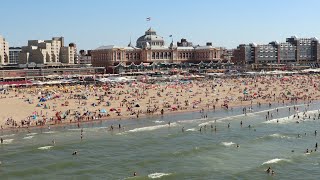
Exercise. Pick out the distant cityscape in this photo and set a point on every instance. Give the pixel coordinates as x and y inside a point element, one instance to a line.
<point>150,49</point>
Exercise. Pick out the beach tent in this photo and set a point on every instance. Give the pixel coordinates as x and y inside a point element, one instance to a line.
<point>137,105</point>
<point>103,111</point>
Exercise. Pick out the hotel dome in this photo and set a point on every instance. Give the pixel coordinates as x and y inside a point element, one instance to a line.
<point>150,38</point>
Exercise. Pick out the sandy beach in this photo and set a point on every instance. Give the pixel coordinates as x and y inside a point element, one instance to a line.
<point>49,105</point>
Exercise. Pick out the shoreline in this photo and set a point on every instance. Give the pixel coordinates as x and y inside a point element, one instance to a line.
<point>101,120</point>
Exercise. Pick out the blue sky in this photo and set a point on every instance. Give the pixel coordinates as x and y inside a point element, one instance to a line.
<point>92,23</point>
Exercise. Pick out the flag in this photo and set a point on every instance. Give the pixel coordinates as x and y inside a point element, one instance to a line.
<point>148,18</point>
<point>170,35</point>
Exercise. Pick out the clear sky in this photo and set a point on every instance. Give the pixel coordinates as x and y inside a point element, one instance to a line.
<point>92,23</point>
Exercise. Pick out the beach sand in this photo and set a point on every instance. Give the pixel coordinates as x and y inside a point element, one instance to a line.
<point>134,100</point>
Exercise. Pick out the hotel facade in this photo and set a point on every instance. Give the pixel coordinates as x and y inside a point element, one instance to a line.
<point>303,51</point>
<point>151,48</point>
<point>48,52</point>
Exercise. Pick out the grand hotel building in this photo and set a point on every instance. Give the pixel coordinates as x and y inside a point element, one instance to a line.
<point>151,48</point>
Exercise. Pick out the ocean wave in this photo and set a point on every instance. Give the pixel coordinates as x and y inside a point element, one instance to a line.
<point>194,120</point>
<point>158,122</point>
<point>7,135</point>
<point>31,134</point>
<point>274,109</point>
<point>293,118</point>
<point>49,132</point>
<point>276,135</point>
<point>151,128</point>
<point>158,175</point>
<point>274,161</point>
<point>28,137</point>
<point>191,129</point>
<point>45,147</point>
<point>228,143</point>
<point>7,141</point>
<point>219,120</point>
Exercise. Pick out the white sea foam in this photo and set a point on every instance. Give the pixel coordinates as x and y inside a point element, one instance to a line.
<point>274,109</point>
<point>7,135</point>
<point>276,135</point>
<point>7,141</point>
<point>45,147</point>
<point>31,134</point>
<point>191,129</point>
<point>294,118</point>
<point>50,132</point>
<point>224,118</point>
<point>151,128</point>
<point>158,122</point>
<point>274,161</point>
<point>158,175</point>
<point>228,143</point>
<point>28,137</point>
<point>194,120</point>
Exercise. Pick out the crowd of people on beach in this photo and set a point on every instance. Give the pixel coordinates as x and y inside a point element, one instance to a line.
<point>39,106</point>
<point>63,104</point>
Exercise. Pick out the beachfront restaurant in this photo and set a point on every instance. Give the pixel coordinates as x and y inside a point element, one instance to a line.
<point>201,66</point>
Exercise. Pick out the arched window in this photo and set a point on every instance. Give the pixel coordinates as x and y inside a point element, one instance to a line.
<point>161,55</point>
<point>165,55</point>
<point>157,55</point>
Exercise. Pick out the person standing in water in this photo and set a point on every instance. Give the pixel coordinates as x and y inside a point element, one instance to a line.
<point>1,141</point>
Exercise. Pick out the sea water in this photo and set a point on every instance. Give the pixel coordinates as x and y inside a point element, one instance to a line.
<point>156,150</point>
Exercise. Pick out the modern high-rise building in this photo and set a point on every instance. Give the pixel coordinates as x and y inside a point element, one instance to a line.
<point>4,51</point>
<point>304,51</point>
<point>84,57</point>
<point>47,51</point>
<point>14,53</point>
